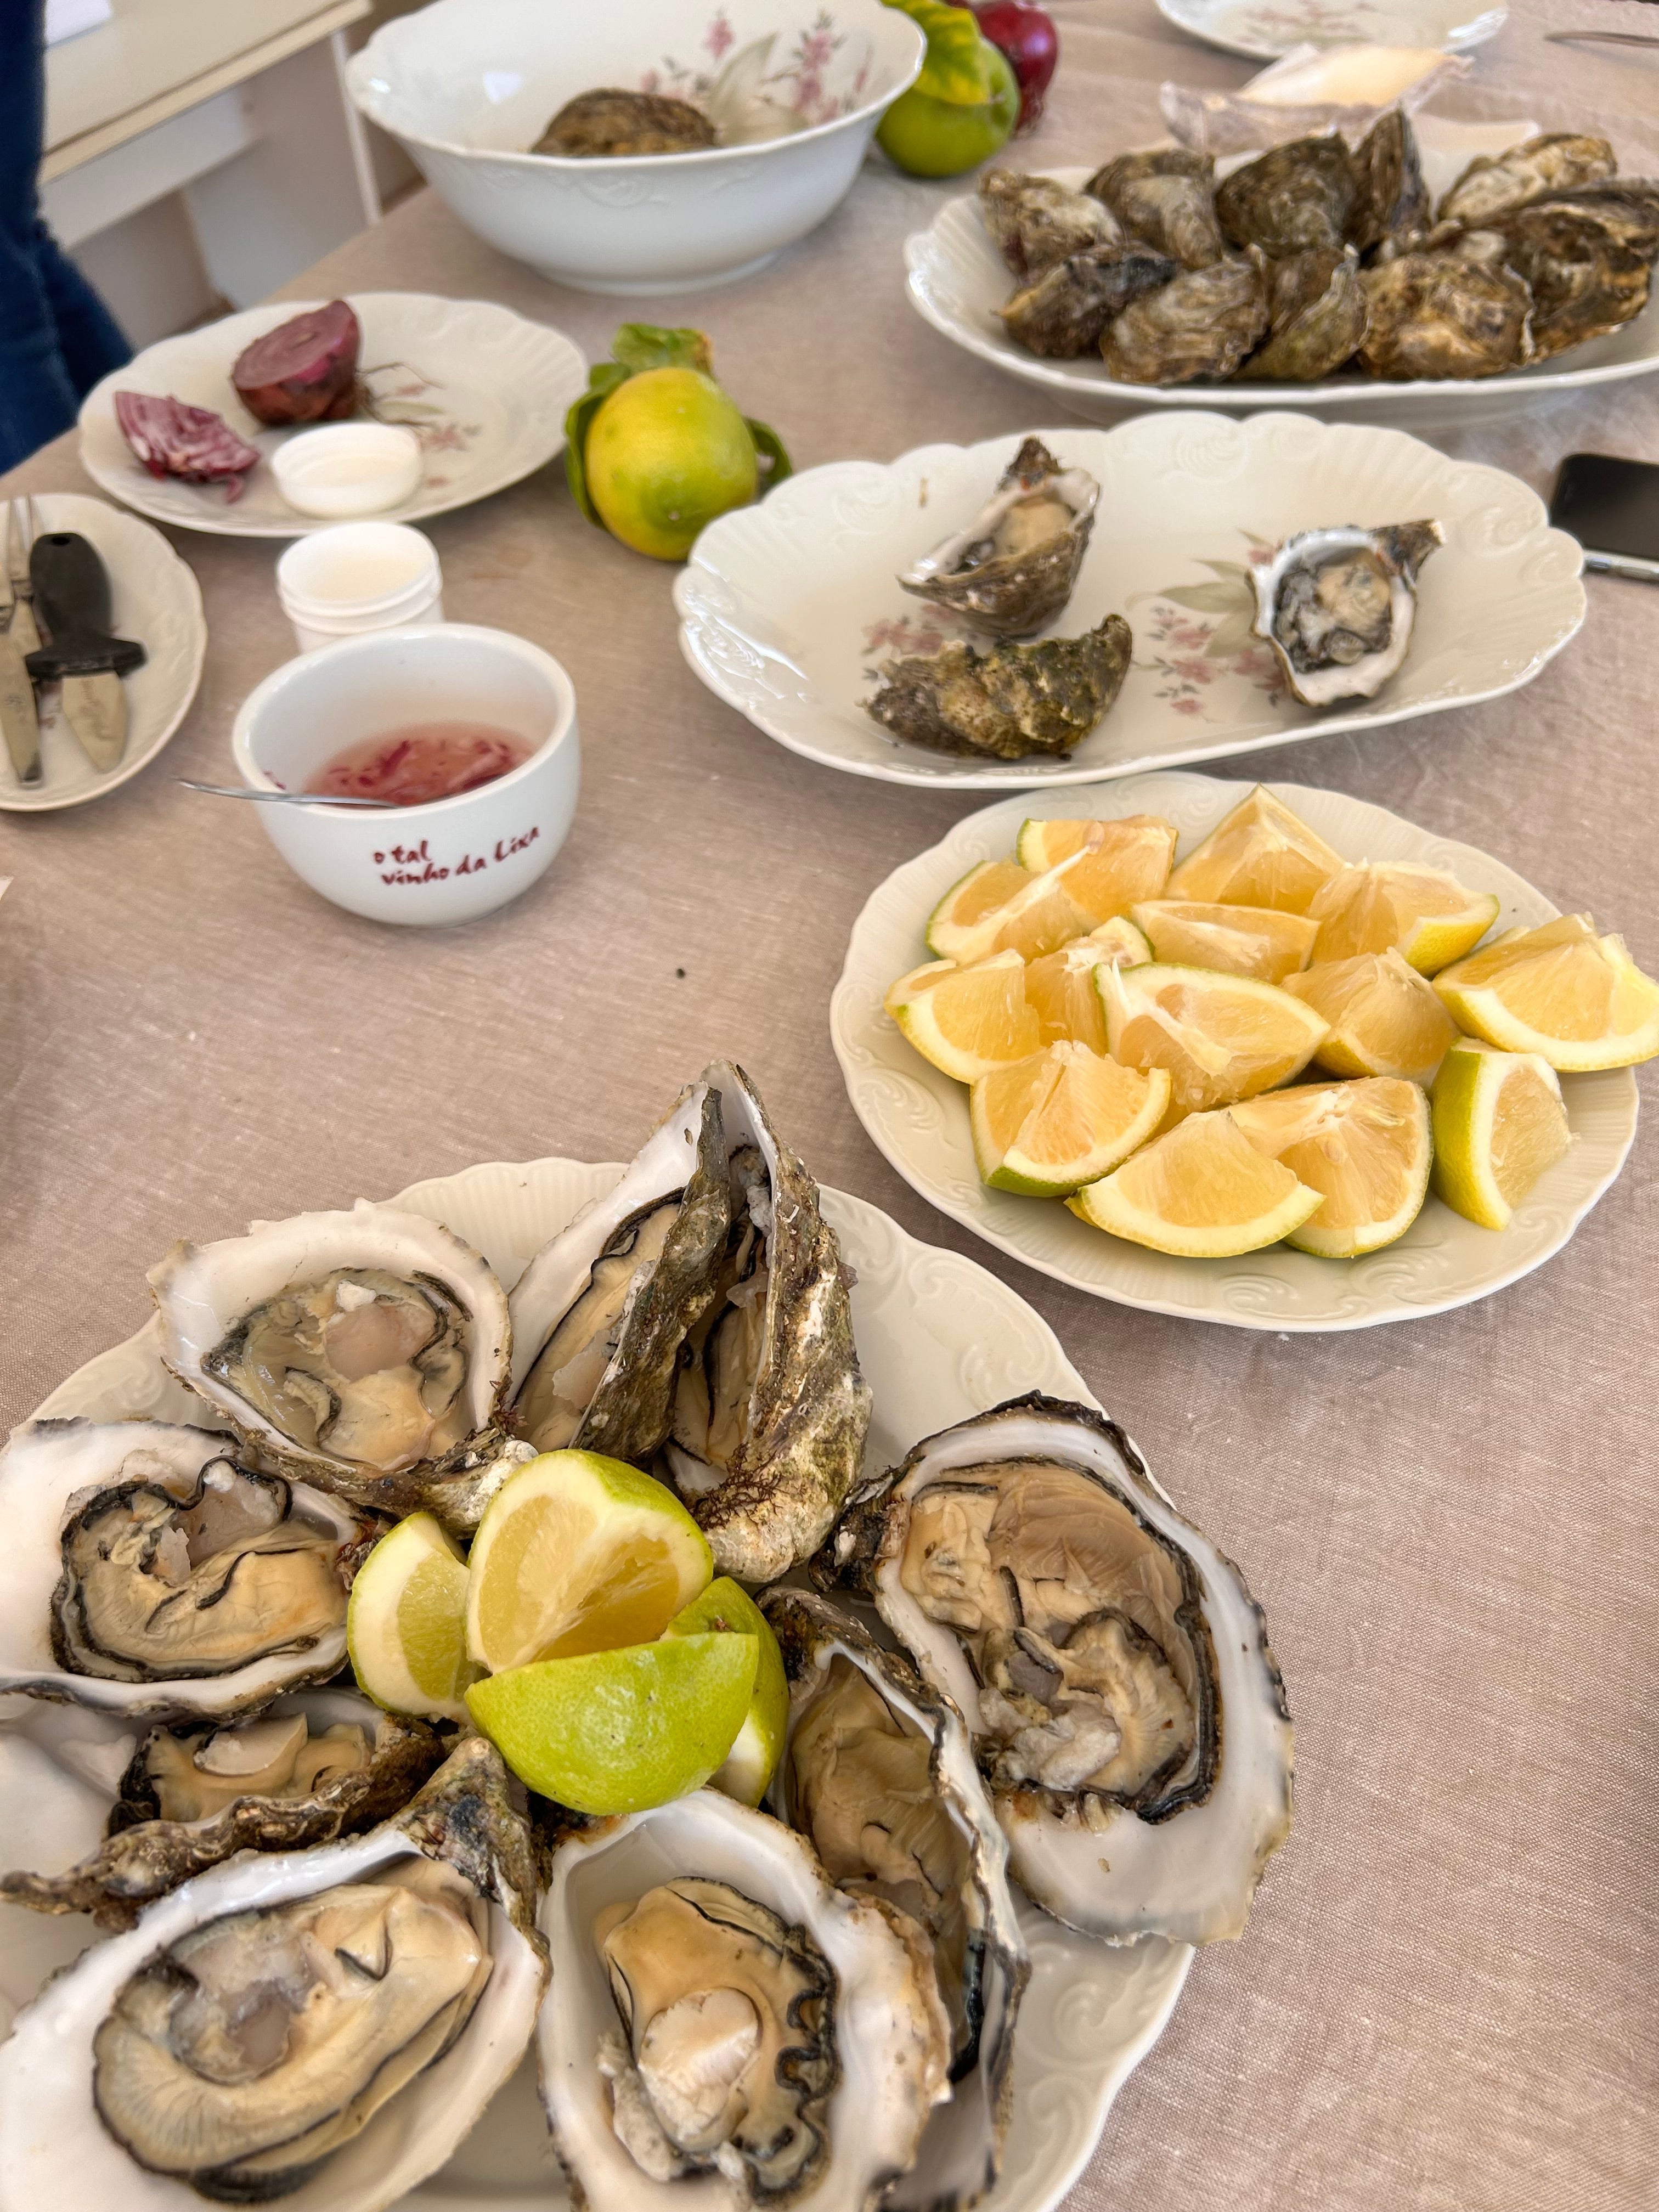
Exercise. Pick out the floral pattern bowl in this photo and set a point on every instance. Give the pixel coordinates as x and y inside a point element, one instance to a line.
<point>467,85</point>
<point>788,609</point>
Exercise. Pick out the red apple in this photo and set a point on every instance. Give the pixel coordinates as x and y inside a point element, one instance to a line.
<point>1031,43</point>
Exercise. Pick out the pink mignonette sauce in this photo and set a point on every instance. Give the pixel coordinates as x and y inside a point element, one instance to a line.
<point>420,762</point>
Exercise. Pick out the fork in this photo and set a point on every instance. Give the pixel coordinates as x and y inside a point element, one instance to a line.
<point>22,628</point>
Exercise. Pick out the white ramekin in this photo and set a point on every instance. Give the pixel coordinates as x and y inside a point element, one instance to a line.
<point>457,858</point>
<point>344,469</point>
<point>356,577</point>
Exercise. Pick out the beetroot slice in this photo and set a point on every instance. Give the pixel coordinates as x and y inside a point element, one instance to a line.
<point>173,439</point>
<point>304,371</point>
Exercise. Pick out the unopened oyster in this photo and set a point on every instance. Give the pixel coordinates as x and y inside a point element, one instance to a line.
<point>1010,569</point>
<point>1126,1711</point>
<point>1493,184</point>
<point>1587,260</point>
<point>1294,198</point>
<point>366,1351</point>
<point>1390,196</point>
<point>332,2022</point>
<point>1440,315</point>
<point>1010,702</point>
<point>1203,323</point>
<point>1317,305</point>
<point>1034,222</point>
<point>1338,606</point>
<point>1163,196</point>
<point>309,1768</point>
<point>609,121</point>
<point>151,1572</point>
<point>725,2028</point>
<point>1062,315</point>
<point>879,1772</point>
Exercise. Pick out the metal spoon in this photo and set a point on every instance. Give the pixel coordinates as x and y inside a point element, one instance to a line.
<point>278,798</point>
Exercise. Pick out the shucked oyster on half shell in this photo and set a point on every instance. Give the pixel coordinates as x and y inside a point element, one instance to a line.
<point>877,1772</point>
<point>1113,1668</point>
<point>309,1768</point>
<point>151,1573</point>
<point>724,2026</point>
<point>697,1316</point>
<point>1338,606</point>
<point>320,2027</point>
<point>1010,569</point>
<point>1010,702</point>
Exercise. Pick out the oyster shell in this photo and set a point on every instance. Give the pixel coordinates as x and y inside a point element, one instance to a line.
<point>1316,303</point>
<point>1010,702</point>
<point>1203,323</point>
<point>1163,195</point>
<point>1114,1671</point>
<point>1587,258</point>
<point>323,1764</point>
<point>1294,198</point>
<point>1391,197</point>
<point>153,1574</point>
<point>1440,315</point>
<point>877,1771</point>
<point>1493,184</point>
<point>1062,315</point>
<point>609,121</point>
<point>365,1350</point>
<point>333,2020</point>
<point>1010,569</point>
<point>725,2028</point>
<point>1034,221</point>
<point>1338,606</point>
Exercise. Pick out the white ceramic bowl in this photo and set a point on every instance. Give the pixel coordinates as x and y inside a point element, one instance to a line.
<point>465,85</point>
<point>457,858</point>
<point>343,470</point>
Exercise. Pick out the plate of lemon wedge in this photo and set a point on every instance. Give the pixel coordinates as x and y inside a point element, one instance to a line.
<point>1271,1056</point>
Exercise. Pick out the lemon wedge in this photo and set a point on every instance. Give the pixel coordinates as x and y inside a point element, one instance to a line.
<point>1385,1018</point>
<point>1425,914</point>
<point>1203,1191</point>
<point>1066,1116</point>
<point>967,1020</point>
<point>406,1622</point>
<point>1576,1000</point>
<point>1260,855</point>
<point>1364,1146</point>
<point>1001,907</point>
<point>1221,1037</point>
<point>1238,940</point>
<point>1500,1122</point>
<point>1125,860</point>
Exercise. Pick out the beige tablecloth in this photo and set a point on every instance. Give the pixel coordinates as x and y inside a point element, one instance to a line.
<point>1446,1998</point>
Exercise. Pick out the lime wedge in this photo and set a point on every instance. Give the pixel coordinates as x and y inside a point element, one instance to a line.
<point>727,1608</point>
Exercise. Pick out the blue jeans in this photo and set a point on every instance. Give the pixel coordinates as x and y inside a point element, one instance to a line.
<point>56,336</point>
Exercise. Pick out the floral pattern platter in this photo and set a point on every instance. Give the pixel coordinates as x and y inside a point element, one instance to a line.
<point>787,609</point>
<point>918,1118</point>
<point>939,1339</point>
<point>1268,28</point>
<point>484,390</point>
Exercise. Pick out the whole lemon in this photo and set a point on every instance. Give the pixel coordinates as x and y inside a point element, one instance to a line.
<point>666,453</point>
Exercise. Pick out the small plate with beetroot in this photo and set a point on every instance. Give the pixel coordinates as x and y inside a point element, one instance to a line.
<point>184,432</point>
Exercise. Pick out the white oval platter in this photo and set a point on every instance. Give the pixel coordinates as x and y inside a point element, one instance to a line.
<point>918,1118</point>
<point>484,390</point>
<point>939,1339</point>
<point>1268,28</point>
<point>786,608</point>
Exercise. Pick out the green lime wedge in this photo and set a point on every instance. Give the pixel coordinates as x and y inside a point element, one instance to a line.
<point>727,1608</point>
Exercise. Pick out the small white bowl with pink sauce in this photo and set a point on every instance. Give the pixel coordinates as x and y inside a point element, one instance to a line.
<point>396,712</point>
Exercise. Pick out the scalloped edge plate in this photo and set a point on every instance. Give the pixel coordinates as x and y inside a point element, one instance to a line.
<point>917,1118</point>
<point>1264,33</point>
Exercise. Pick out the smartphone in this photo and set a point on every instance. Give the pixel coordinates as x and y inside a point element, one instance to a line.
<point>1612,508</point>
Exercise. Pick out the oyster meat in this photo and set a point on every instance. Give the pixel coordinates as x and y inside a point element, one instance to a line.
<point>1114,1671</point>
<point>1010,702</point>
<point>1390,196</point>
<point>365,1349</point>
<point>1316,303</point>
<point>1034,221</point>
<point>153,1573</point>
<point>333,2021</point>
<point>1203,323</point>
<point>608,121</point>
<point>1062,315</point>
<point>726,2028</point>
<point>1163,196</point>
<point>1010,569</point>
<point>309,1768</point>
<point>1294,198</point>
<point>1441,315</point>
<point>877,1771</point>
<point>1493,184</point>
<point>1338,606</point>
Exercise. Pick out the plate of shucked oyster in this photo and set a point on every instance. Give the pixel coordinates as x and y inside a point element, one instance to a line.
<point>1396,274</point>
<point>1084,602</point>
<point>287,1946</point>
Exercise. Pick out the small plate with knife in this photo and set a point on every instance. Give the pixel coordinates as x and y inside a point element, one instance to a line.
<point>97,585</point>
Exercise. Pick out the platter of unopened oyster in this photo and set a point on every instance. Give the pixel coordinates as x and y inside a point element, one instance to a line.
<point>396,1516</point>
<point>1430,270</point>
<point>1080,603</point>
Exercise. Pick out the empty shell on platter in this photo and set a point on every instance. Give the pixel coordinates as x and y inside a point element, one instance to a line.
<point>1338,605</point>
<point>1113,1668</point>
<point>151,1572</point>
<point>324,2024</point>
<point>1010,702</point>
<point>365,1350</point>
<point>877,1771</point>
<point>1011,568</point>
<point>1034,221</point>
<point>725,2028</point>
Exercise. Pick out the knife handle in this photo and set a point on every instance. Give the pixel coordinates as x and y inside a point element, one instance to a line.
<point>71,584</point>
